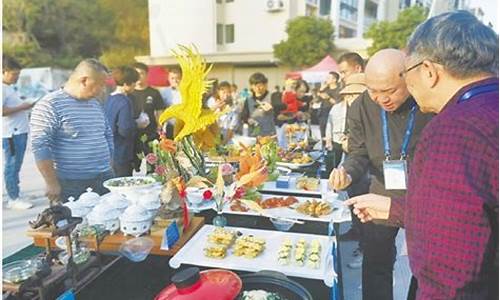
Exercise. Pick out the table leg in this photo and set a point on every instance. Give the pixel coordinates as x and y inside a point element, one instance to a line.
<point>338,267</point>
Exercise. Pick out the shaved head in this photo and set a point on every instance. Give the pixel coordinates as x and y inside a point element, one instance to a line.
<point>385,65</point>
<point>87,80</point>
<point>89,67</point>
<point>383,80</point>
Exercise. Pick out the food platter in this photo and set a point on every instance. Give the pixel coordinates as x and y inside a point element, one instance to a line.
<point>193,253</point>
<point>270,187</point>
<point>338,212</point>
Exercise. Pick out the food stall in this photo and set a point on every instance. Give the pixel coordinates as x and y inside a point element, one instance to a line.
<point>251,207</point>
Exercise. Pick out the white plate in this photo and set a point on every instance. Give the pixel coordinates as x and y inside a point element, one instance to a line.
<point>270,187</point>
<point>192,253</point>
<point>340,213</point>
<point>294,166</point>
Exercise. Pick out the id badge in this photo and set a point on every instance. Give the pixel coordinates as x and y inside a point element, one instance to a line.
<point>395,174</point>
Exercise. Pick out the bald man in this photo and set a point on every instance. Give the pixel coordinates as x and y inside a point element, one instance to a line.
<point>386,101</point>
<point>71,139</point>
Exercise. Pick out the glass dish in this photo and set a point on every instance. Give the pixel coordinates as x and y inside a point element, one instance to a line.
<point>18,271</point>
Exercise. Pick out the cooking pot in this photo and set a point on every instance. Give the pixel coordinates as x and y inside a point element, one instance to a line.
<point>274,282</point>
<point>191,284</point>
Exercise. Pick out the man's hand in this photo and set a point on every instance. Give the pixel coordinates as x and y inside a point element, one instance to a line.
<point>252,122</point>
<point>53,192</point>
<point>339,179</point>
<point>344,142</point>
<point>369,207</point>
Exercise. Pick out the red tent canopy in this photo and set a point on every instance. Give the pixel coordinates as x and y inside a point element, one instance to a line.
<point>327,64</point>
<point>157,76</point>
<point>316,73</point>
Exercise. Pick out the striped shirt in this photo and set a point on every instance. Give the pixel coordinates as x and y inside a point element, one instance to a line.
<point>73,133</point>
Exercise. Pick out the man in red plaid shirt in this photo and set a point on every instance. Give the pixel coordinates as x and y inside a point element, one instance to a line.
<point>450,211</point>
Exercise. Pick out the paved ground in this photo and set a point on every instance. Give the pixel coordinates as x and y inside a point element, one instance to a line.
<point>15,224</point>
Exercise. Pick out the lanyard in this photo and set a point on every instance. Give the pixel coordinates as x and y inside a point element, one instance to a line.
<point>478,90</point>
<point>408,132</point>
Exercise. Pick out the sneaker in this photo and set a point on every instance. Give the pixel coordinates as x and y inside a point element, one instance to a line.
<point>356,263</point>
<point>351,235</point>
<point>19,204</point>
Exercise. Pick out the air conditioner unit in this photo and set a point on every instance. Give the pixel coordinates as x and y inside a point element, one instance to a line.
<point>274,5</point>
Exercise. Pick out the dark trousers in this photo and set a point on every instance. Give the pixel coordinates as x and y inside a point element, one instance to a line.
<point>379,255</point>
<point>123,170</point>
<point>75,187</point>
<point>358,188</point>
<point>412,291</point>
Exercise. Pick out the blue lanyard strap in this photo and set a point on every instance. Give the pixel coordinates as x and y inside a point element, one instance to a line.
<point>475,91</point>
<point>406,140</point>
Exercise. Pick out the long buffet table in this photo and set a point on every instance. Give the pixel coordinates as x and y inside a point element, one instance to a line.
<point>129,280</point>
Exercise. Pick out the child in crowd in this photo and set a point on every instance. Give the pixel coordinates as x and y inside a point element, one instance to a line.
<point>293,104</point>
<point>222,101</point>
<point>119,113</point>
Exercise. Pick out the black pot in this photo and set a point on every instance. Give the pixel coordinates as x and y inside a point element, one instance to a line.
<point>275,282</point>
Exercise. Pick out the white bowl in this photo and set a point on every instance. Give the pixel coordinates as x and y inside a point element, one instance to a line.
<point>194,195</point>
<point>130,187</point>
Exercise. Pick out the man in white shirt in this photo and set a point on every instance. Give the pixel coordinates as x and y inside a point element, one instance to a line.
<point>15,132</point>
<point>171,95</point>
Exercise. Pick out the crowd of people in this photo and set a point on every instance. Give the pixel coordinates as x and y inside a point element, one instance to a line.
<point>411,135</point>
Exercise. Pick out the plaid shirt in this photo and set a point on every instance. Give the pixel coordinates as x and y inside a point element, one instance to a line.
<point>453,185</point>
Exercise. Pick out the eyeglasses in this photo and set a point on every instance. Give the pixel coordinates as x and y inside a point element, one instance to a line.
<point>403,73</point>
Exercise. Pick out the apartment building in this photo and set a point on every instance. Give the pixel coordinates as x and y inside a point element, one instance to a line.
<point>237,36</point>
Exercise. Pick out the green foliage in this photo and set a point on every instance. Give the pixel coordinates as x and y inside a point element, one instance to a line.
<point>395,34</point>
<point>309,40</point>
<point>61,33</point>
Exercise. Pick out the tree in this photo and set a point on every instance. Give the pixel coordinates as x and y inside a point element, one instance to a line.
<point>395,34</point>
<point>130,36</point>
<point>309,40</point>
<point>61,33</point>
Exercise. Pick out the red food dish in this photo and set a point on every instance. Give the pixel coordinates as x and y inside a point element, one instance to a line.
<point>277,202</point>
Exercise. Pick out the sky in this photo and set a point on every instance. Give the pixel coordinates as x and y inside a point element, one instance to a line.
<point>490,9</point>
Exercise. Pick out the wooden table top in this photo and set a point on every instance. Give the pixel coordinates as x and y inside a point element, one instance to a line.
<point>111,243</point>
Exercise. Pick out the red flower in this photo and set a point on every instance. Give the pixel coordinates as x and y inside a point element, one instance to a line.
<point>160,170</point>
<point>151,158</point>
<point>183,194</point>
<point>207,195</point>
<point>239,193</point>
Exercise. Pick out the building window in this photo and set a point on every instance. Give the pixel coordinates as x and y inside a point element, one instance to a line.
<point>349,10</point>
<point>346,32</point>
<point>370,13</point>
<point>229,33</point>
<point>220,34</point>
<point>325,7</point>
<point>218,1</point>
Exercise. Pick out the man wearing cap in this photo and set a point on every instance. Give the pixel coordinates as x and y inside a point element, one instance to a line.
<point>336,139</point>
<point>384,126</point>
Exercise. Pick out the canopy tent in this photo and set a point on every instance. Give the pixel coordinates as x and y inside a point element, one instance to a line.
<point>157,77</point>
<point>316,73</point>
